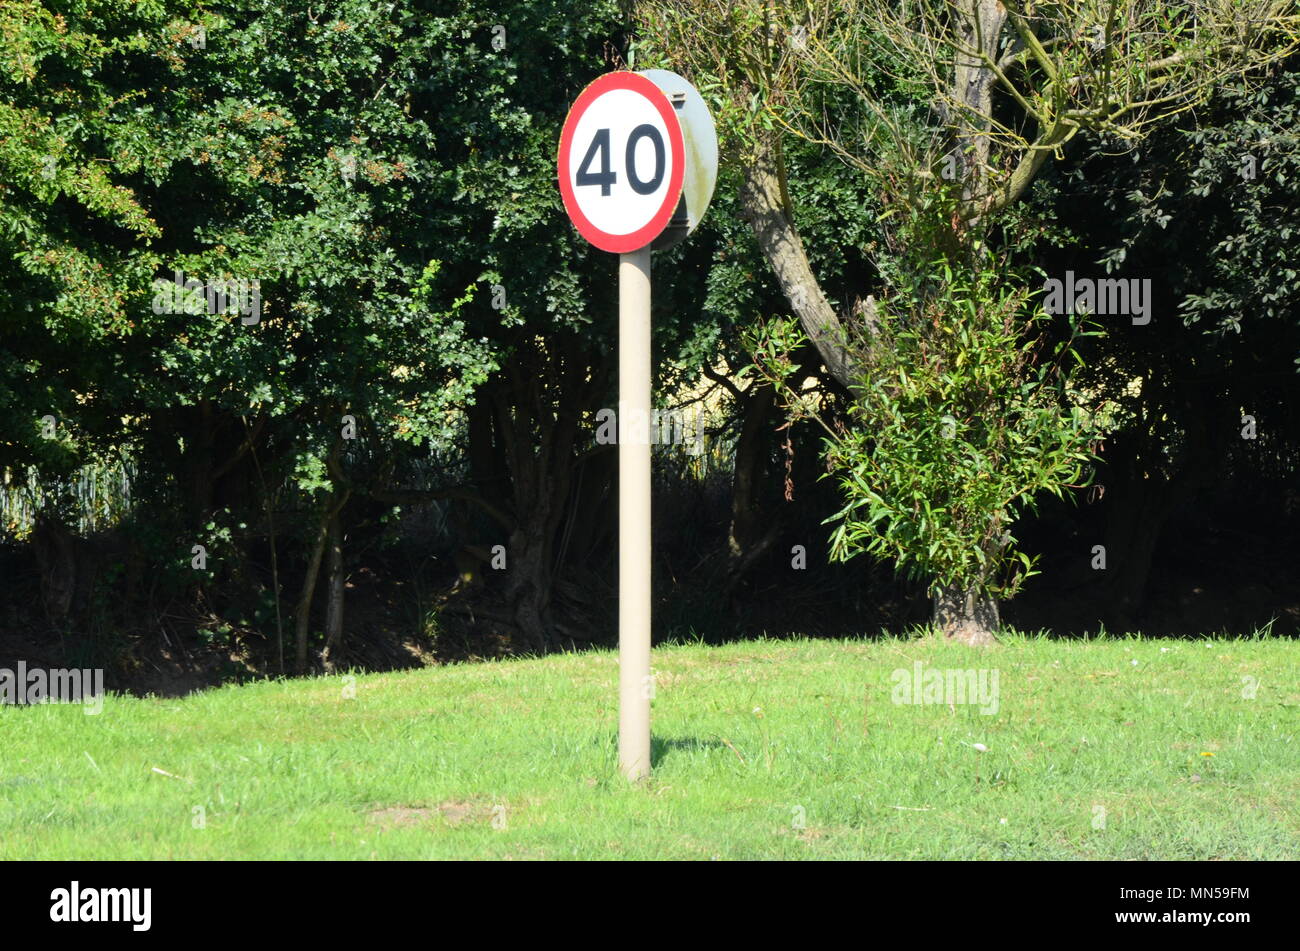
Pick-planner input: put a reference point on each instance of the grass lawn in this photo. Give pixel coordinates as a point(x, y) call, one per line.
point(1113, 748)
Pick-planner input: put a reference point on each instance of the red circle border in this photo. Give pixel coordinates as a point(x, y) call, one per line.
point(634, 82)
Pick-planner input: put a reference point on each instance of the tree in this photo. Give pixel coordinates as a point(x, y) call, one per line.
point(929, 99)
point(1207, 207)
point(294, 198)
point(383, 179)
point(961, 419)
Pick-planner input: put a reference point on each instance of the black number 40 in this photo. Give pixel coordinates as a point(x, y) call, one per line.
point(606, 177)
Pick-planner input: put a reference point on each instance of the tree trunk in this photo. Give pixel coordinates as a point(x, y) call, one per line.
point(766, 206)
point(537, 407)
point(302, 621)
point(753, 530)
point(966, 616)
point(528, 589)
point(980, 26)
point(334, 604)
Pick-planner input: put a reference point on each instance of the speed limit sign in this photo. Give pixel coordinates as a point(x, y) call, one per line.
point(622, 161)
point(637, 164)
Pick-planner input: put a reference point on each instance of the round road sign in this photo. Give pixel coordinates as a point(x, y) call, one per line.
point(621, 163)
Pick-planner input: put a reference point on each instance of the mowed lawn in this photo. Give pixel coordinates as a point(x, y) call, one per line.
point(1114, 748)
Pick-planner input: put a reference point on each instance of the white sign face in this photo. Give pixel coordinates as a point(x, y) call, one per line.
point(621, 162)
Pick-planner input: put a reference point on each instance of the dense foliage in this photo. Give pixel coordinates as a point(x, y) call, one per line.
point(295, 319)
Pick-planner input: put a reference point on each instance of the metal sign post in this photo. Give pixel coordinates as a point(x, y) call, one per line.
point(634, 683)
point(637, 162)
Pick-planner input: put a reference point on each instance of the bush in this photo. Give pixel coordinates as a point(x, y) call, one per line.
point(961, 418)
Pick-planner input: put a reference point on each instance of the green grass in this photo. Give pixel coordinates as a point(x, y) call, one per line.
point(516, 760)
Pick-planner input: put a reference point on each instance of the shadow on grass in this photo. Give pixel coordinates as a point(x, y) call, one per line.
point(661, 747)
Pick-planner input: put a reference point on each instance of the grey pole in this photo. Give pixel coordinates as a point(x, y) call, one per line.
point(634, 684)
